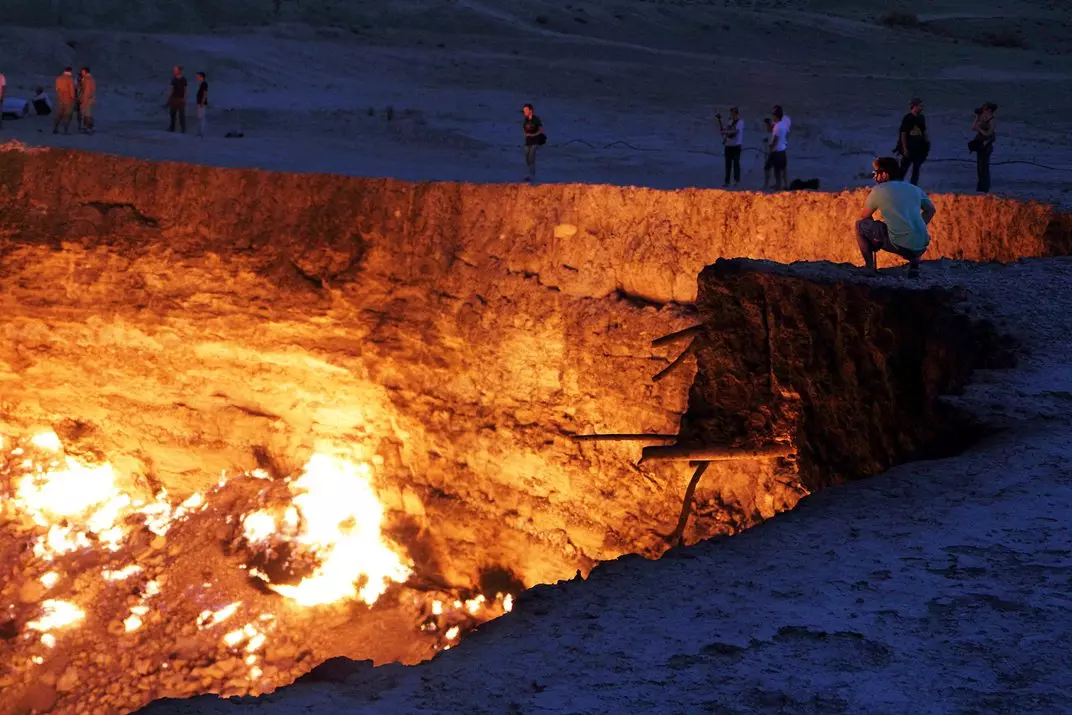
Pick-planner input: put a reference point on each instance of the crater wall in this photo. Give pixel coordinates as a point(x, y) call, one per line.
point(181, 320)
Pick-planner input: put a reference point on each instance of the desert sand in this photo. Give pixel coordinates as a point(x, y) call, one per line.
point(627, 91)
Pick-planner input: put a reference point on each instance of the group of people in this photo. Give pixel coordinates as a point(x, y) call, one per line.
point(76, 98)
point(905, 209)
point(914, 144)
point(776, 147)
point(176, 102)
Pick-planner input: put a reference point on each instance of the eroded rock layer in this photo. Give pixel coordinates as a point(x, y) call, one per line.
point(180, 321)
point(847, 371)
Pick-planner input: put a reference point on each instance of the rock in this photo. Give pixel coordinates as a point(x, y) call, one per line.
point(38, 697)
point(32, 591)
point(335, 670)
point(68, 680)
point(784, 355)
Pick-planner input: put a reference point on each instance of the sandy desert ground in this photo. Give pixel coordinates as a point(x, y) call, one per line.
point(627, 91)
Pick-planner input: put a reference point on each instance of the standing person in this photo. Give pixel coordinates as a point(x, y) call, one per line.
point(202, 103)
point(87, 100)
point(64, 101)
point(177, 99)
point(733, 138)
point(985, 127)
point(913, 143)
point(3, 89)
point(78, 101)
point(778, 143)
point(906, 210)
point(534, 137)
point(768, 127)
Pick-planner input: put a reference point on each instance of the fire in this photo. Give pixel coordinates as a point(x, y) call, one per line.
point(77, 501)
point(47, 440)
point(57, 614)
point(66, 492)
point(337, 517)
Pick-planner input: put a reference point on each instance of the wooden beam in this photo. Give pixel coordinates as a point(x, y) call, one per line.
point(708, 453)
point(677, 361)
point(625, 437)
point(677, 536)
point(679, 335)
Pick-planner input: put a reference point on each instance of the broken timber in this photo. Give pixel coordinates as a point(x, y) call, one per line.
point(707, 453)
point(677, 361)
point(625, 437)
point(680, 334)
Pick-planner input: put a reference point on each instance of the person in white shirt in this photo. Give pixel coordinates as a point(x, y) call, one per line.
point(778, 144)
point(733, 140)
point(3, 88)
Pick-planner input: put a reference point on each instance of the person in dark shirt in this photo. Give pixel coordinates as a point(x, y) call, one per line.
point(913, 144)
point(202, 103)
point(177, 99)
point(985, 128)
point(534, 137)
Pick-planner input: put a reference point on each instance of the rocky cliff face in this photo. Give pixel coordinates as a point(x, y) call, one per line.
point(847, 371)
point(181, 320)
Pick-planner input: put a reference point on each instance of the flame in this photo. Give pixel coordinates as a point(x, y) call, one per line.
point(121, 574)
point(73, 500)
point(47, 440)
point(57, 614)
point(67, 492)
point(258, 526)
point(207, 619)
point(50, 579)
point(336, 516)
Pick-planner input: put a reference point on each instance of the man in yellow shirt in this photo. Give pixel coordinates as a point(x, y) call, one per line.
point(87, 100)
point(64, 101)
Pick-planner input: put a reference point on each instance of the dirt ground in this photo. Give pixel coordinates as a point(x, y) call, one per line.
point(627, 91)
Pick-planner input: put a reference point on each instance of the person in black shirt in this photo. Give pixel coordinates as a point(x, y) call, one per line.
point(534, 137)
point(913, 144)
point(177, 99)
point(985, 128)
point(202, 103)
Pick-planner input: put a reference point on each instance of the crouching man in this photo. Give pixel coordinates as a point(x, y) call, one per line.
point(906, 210)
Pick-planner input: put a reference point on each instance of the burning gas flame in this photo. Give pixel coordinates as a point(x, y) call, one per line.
point(77, 501)
point(336, 516)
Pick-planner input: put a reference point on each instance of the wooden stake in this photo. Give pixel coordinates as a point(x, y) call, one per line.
point(696, 453)
point(677, 536)
point(625, 437)
point(666, 339)
point(677, 361)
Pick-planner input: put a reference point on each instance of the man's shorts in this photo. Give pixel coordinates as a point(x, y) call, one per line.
point(776, 160)
point(877, 235)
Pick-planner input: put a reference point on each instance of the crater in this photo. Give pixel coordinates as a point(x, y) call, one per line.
point(253, 422)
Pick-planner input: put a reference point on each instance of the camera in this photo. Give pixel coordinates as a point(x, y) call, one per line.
point(978, 110)
point(718, 115)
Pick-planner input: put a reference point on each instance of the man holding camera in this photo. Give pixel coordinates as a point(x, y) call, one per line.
point(906, 211)
point(983, 144)
point(534, 137)
point(913, 144)
point(732, 141)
